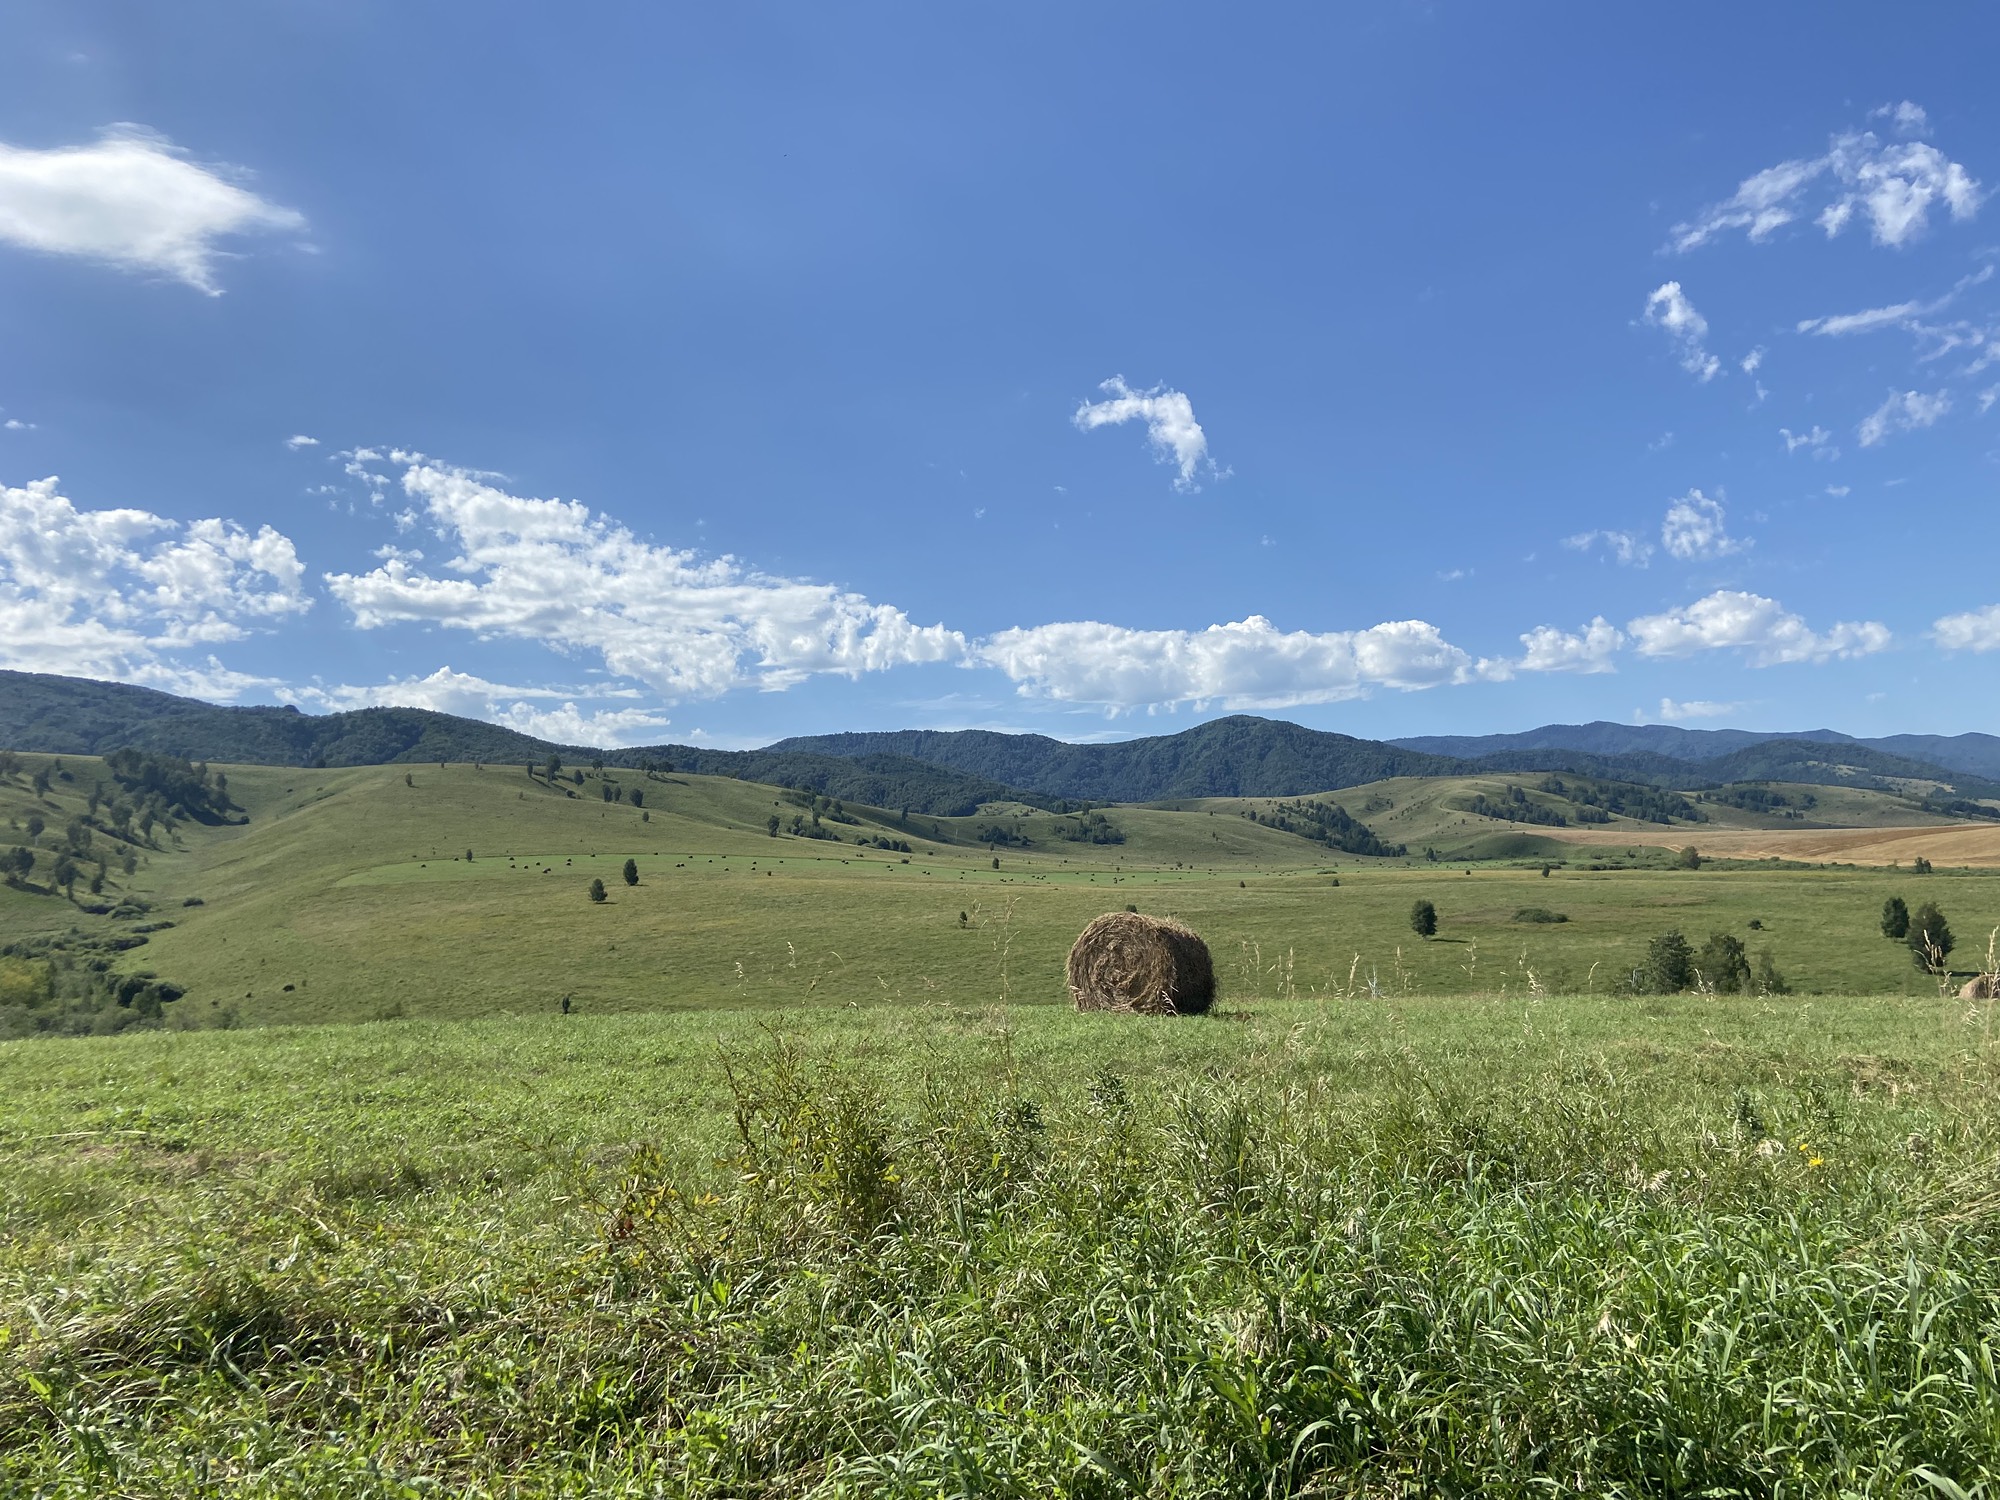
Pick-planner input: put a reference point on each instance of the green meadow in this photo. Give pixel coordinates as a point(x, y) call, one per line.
point(821, 1188)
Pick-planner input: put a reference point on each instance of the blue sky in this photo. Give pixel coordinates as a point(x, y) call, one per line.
point(725, 373)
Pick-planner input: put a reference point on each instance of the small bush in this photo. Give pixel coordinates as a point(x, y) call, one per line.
point(1540, 914)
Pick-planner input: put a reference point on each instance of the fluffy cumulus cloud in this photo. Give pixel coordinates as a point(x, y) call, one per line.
point(1696, 529)
point(1974, 630)
point(1548, 649)
point(128, 595)
point(1176, 437)
point(130, 199)
point(549, 713)
point(1247, 664)
point(1903, 411)
point(1893, 185)
point(1669, 309)
point(552, 572)
point(1764, 631)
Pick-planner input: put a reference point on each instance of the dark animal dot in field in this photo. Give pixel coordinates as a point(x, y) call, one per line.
point(289, 988)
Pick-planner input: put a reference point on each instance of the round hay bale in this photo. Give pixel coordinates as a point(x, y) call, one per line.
point(1146, 965)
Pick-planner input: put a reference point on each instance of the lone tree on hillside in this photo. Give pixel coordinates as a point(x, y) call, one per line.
point(631, 872)
point(35, 825)
point(552, 765)
point(1895, 919)
point(1723, 965)
point(1424, 919)
point(637, 796)
point(1669, 964)
point(772, 825)
point(1930, 939)
point(597, 890)
point(1690, 858)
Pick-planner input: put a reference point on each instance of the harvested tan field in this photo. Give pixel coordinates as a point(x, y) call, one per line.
point(1963, 844)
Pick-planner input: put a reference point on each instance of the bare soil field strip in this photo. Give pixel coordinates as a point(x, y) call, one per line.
point(1963, 844)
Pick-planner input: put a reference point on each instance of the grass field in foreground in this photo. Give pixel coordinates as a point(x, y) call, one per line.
point(1449, 1245)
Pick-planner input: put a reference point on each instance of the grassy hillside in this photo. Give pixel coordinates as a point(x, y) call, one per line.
point(348, 895)
point(1425, 1246)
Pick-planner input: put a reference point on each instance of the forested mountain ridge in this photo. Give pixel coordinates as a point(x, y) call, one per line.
point(1240, 756)
point(1972, 753)
point(952, 772)
point(77, 716)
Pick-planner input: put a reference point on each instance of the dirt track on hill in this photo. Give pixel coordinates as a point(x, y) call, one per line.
point(1963, 844)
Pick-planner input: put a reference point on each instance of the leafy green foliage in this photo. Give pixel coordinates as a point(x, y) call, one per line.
point(1895, 919)
point(1424, 919)
point(1930, 938)
point(1516, 807)
point(1723, 965)
point(1326, 823)
point(1669, 965)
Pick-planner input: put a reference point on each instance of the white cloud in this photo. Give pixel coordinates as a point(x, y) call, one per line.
point(1863, 322)
point(1176, 436)
point(15, 424)
point(552, 572)
point(1668, 308)
point(299, 440)
point(1987, 398)
point(469, 696)
point(1590, 650)
point(1907, 118)
point(1904, 411)
point(1762, 629)
point(1894, 185)
point(1248, 664)
point(118, 593)
point(1631, 549)
point(1751, 362)
point(1674, 712)
point(130, 200)
point(1838, 491)
point(1697, 527)
point(1974, 630)
point(1817, 441)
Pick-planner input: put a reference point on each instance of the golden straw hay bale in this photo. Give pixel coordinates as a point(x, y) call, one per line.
point(1148, 965)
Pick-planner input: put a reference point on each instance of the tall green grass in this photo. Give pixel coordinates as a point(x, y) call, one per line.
point(1450, 1249)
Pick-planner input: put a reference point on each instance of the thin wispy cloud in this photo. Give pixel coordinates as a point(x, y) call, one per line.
point(1668, 309)
point(1903, 411)
point(1893, 185)
point(132, 199)
point(1176, 437)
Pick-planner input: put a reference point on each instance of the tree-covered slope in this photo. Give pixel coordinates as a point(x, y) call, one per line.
point(1240, 756)
point(1969, 754)
point(76, 716)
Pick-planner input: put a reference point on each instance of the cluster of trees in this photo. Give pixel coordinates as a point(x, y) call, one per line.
point(64, 987)
point(1002, 837)
point(1326, 823)
point(1762, 799)
point(1091, 828)
point(1606, 799)
point(1722, 965)
point(1925, 931)
point(1516, 807)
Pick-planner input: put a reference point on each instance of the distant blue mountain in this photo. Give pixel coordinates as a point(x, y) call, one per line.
point(1973, 754)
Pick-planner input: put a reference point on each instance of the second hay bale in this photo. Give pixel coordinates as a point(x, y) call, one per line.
point(1147, 965)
